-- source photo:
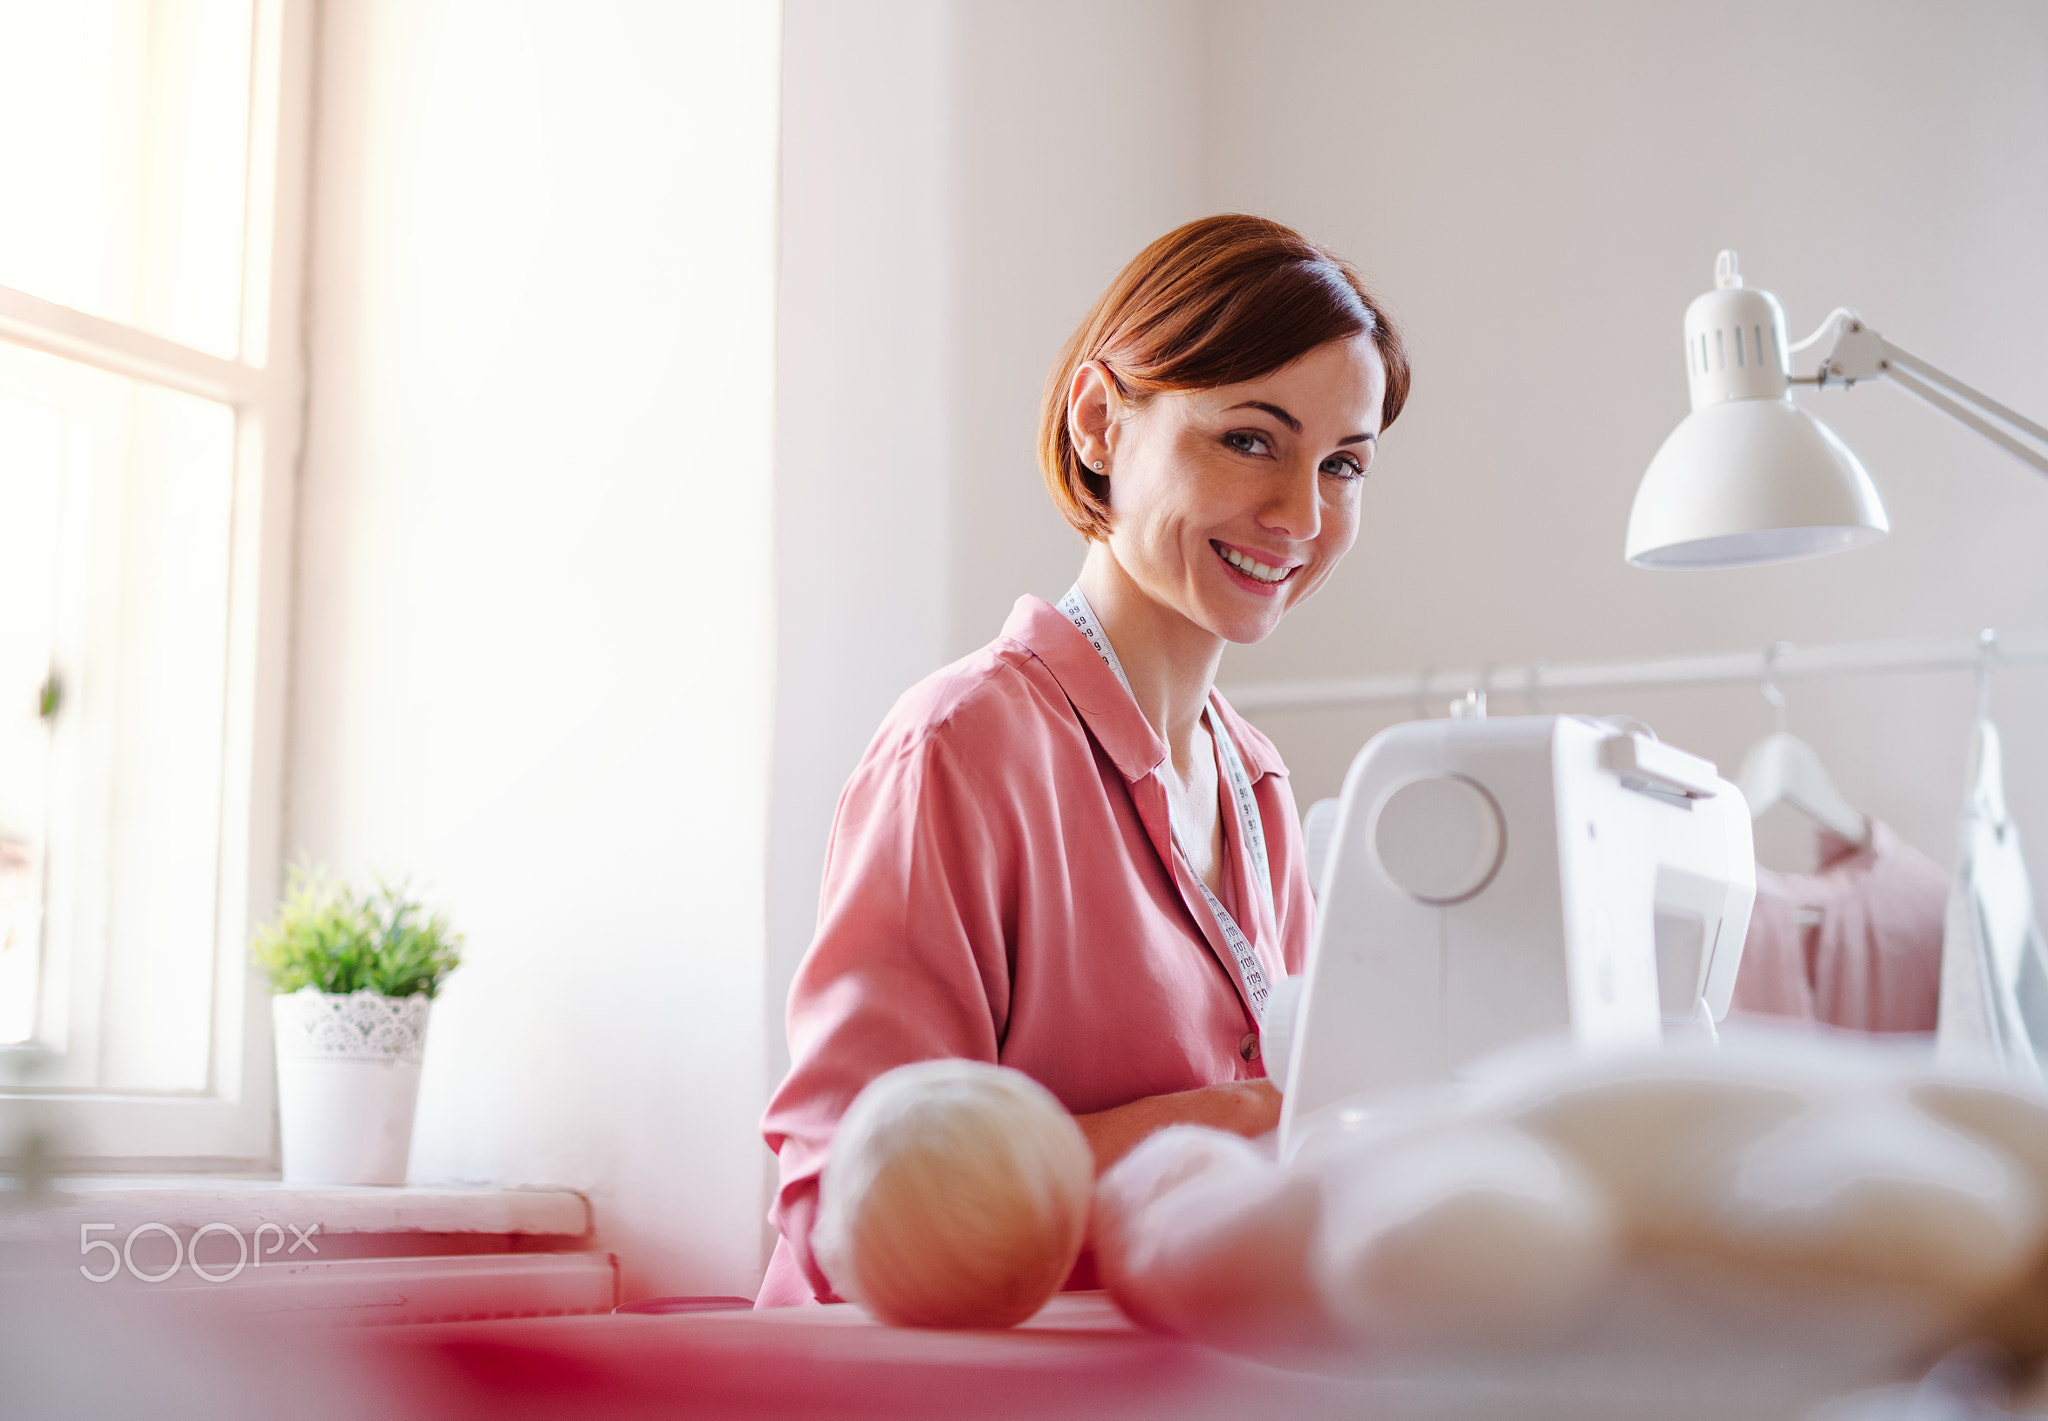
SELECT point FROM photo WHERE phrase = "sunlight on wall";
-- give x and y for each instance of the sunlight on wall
(535, 636)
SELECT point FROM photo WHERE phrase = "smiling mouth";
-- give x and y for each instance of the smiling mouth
(1252, 567)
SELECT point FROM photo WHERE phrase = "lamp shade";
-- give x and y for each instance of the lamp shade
(1751, 481)
(1748, 477)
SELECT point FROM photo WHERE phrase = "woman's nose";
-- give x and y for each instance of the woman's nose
(1296, 509)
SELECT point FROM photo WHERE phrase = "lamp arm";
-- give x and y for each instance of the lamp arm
(1856, 352)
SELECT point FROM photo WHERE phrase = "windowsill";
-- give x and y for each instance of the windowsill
(558, 1215)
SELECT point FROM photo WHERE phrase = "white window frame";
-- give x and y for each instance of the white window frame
(230, 1125)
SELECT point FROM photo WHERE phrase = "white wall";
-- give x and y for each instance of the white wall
(534, 655)
(1078, 139)
(863, 410)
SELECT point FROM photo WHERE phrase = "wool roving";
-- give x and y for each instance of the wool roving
(1198, 1233)
(1662, 1143)
(1475, 1236)
(1795, 1198)
(1868, 1186)
(955, 1195)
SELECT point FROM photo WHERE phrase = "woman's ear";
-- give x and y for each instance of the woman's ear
(1092, 409)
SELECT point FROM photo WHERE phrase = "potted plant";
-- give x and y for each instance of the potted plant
(352, 976)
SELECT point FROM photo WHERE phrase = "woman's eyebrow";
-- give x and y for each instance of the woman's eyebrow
(1356, 439)
(1293, 424)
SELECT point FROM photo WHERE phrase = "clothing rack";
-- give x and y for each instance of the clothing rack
(1428, 689)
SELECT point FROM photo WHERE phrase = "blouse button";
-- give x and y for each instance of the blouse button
(1249, 1047)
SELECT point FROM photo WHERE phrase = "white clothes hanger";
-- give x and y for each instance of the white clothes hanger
(1986, 798)
(1994, 968)
(2009, 942)
(1783, 769)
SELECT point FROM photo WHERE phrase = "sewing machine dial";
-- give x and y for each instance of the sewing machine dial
(1439, 838)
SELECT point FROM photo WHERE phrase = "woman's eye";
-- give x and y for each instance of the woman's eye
(1246, 441)
(1344, 466)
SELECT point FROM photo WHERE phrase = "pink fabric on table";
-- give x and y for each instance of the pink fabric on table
(1873, 960)
(1001, 886)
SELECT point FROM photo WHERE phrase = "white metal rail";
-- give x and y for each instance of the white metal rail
(1429, 690)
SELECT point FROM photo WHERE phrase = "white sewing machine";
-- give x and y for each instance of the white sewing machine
(1491, 881)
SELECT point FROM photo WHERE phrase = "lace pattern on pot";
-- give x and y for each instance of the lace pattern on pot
(361, 1026)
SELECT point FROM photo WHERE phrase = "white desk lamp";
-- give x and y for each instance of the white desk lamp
(1748, 477)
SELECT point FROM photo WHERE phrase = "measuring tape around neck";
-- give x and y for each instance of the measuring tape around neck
(1074, 607)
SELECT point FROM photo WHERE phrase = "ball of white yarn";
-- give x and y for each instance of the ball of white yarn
(955, 1195)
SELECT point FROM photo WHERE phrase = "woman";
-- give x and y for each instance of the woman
(1065, 853)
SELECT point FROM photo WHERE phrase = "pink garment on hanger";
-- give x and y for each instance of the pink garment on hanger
(1872, 961)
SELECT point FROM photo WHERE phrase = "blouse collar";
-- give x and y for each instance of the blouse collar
(1110, 714)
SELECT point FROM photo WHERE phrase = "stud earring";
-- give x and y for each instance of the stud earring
(1098, 466)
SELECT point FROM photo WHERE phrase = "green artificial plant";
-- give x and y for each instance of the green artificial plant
(336, 939)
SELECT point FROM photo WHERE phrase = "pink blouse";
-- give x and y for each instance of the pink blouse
(1001, 885)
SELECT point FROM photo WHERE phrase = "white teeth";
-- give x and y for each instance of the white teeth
(1256, 569)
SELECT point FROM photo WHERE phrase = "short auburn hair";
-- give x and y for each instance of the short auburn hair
(1219, 301)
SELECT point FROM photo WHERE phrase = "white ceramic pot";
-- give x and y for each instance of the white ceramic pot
(348, 1077)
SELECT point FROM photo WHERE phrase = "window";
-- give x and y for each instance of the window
(152, 157)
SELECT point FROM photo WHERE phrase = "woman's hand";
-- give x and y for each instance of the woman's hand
(1247, 1108)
